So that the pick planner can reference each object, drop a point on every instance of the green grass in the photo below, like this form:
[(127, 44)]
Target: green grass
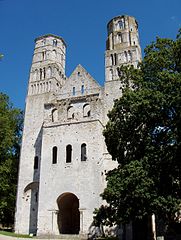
[(11, 234)]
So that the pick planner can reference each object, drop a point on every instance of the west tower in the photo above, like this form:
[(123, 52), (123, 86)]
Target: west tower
[(47, 75)]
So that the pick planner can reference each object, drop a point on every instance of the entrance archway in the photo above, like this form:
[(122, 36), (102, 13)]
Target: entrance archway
[(68, 216)]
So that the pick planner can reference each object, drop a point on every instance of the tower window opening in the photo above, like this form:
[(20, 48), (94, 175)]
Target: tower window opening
[(36, 162), (120, 37), (69, 153), (111, 74), (54, 53), (54, 42), (40, 74), (82, 89), (43, 55), (44, 72), (73, 91), (83, 152), (129, 56), (44, 41), (121, 23), (112, 59), (54, 155), (115, 59), (125, 56)]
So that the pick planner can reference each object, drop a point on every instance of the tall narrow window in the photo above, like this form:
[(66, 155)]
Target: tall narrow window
[(68, 153), (54, 155), (44, 72), (54, 42), (83, 152), (111, 74), (40, 74), (82, 89), (36, 162), (112, 59), (125, 56), (43, 55), (121, 24), (115, 59), (129, 56), (73, 91)]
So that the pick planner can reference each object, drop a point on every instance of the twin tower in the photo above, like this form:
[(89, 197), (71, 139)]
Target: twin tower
[(63, 155)]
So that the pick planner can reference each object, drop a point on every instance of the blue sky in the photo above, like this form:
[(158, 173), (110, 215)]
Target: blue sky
[(82, 24)]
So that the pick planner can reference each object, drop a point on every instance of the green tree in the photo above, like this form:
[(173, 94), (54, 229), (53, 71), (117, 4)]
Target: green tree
[(144, 135), (10, 137)]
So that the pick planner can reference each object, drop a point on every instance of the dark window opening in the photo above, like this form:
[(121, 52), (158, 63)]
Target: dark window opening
[(68, 153), (83, 152), (115, 59), (54, 42), (54, 155), (112, 59), (40, 74), (44, 72), (73, 91), (36, 162), (82, 89)]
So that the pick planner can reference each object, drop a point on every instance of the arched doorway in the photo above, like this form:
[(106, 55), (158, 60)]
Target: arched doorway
[(68, 216)]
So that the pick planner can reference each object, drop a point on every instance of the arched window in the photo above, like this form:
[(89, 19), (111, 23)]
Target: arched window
[(41, 74), (54, 54), (44, 72), (35, 75), (86, 110), (115, 59), (121, 23), (70, 112), (54, 115), (36, 162), (83, 152), (129, 56), (54, 155), (112, 59), (44, 55), (49, 72), (125, 56), (69, 153), (82, 89), (111, 74), (73, 91), (54, 42)]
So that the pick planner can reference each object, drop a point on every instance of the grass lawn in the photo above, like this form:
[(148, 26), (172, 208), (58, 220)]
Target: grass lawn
[(11, 234)]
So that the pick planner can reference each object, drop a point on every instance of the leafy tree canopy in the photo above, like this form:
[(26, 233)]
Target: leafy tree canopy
[(144, 135), (10, 137)]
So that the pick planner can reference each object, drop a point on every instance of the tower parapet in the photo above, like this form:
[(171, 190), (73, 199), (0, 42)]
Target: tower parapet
[(122, 46)]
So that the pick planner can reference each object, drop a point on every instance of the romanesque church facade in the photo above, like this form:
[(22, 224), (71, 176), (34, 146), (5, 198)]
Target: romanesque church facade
[(63, 156)]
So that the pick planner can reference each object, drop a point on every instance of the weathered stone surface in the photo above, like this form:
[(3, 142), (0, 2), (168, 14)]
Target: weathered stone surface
[(64, 157)]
